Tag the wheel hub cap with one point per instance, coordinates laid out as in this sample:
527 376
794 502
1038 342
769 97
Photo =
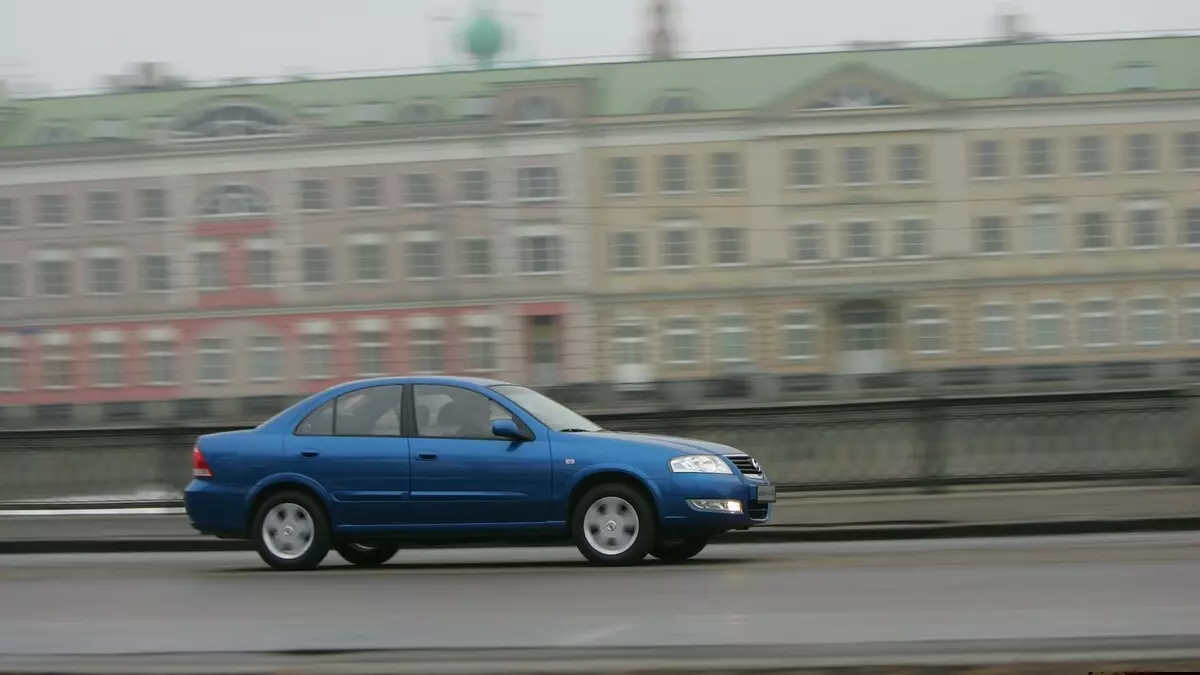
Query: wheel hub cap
611 525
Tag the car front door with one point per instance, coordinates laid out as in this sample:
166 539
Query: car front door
462 473
354 447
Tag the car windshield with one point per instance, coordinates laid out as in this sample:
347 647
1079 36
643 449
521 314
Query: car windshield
548 411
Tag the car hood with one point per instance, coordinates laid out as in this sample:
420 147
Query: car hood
670 442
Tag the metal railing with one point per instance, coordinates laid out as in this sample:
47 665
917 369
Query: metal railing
927 442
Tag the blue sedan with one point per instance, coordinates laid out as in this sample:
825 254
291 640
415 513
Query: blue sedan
366 466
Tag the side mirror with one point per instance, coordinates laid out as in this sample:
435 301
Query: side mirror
508 429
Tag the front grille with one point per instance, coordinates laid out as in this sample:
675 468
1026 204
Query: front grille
746 464
757 510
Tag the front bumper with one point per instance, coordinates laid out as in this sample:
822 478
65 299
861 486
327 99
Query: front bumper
680 515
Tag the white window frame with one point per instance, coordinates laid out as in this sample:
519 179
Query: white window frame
741 240
144 206
803 163
527 262
1187 146
914 163
1189 226
490 251
51 343
366 329
360 190
902 232
798 233
917 323
1136 313
10 213
1006 230
1109 234
330 257
538 184
983 320
94 205
317 349
107 254
418 324
665 169
693 254
730 171
1135 154
101 342
18 288
867 160
143 272
491 341
258 245
421 190
1030 214
12 358
152 339
259 354
358 244
1087 314
641 341
465 181
997 158
722 331
40 207
1036 313
1191 321
1048 155
672 332
616 177
1099 155
203 250
220 348
54 255
424 237
850 236
615 250
1160 225
802 321
314 195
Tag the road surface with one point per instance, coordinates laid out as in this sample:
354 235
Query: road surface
831 596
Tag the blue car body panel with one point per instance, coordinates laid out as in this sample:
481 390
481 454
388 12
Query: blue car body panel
400 483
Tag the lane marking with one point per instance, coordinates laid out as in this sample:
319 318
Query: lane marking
67 513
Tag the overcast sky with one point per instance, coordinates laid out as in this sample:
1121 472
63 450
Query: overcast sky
70 44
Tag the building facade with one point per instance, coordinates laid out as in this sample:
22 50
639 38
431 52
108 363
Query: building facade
805 218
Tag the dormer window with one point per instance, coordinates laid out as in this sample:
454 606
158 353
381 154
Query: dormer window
370 113
854 96
476 106
675 103
109 129
233 121
1139 77
1038 86
55 134
233 200
423 112
536 110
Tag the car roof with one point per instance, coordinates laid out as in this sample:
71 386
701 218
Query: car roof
423 379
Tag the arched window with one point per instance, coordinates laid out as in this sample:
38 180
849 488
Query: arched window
233 121
675 103
854 96
233 200
1037 86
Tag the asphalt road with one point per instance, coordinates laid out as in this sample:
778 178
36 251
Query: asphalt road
831 595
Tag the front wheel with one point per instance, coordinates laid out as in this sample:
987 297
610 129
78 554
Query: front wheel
365 554
291 531
679 550
613 524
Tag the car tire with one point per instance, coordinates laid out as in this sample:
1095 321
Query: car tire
302 547
362 554
613 525
678 550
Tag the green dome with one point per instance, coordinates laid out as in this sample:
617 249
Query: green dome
485 37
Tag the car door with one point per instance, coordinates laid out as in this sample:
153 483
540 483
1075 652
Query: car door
462 473
354 447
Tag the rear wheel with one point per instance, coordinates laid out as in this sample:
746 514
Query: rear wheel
613 524
678 550
291 531
367 554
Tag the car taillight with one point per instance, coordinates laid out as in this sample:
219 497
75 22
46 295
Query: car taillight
200 467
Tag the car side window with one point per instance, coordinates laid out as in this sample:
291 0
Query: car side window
444 411
374 411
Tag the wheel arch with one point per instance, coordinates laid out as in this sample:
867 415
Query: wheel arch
273 485
611 474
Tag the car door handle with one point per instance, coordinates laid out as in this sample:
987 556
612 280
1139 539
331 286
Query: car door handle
309 453
427 456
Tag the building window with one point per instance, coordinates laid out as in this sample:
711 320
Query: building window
233 200
1046 324
1189 151
1141 153
536 110
1139 76
11 371
732 338
8 213
266 358
1045 235
425 259
420 189
804 168
1149 319
482 344
156 273
537 183
10 280
914 238
928 330
1091 155
992 235
316 265
370 262
682 336
214 360
995 328
162 363
52 210
798 335
477 257
860 240
103 207
1039 157
365 193
372 353
314 195
260 267
857 166
232 121
1145 226
729 244
427 350
316 350
627 251
1096 317
808 243
105 276
108 357
725 171
210 270
908 163
1095 232
473 186
541 253
54 277
675 174
1191 319
622 176
152 204
58 366
678 247
989 159
1191 226
630 348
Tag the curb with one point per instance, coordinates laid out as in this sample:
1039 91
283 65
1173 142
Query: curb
777 534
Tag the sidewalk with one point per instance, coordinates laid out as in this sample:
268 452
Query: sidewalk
797 517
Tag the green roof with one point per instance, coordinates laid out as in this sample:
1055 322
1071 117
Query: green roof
961 72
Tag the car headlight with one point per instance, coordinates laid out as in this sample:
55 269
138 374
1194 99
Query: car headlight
699 464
